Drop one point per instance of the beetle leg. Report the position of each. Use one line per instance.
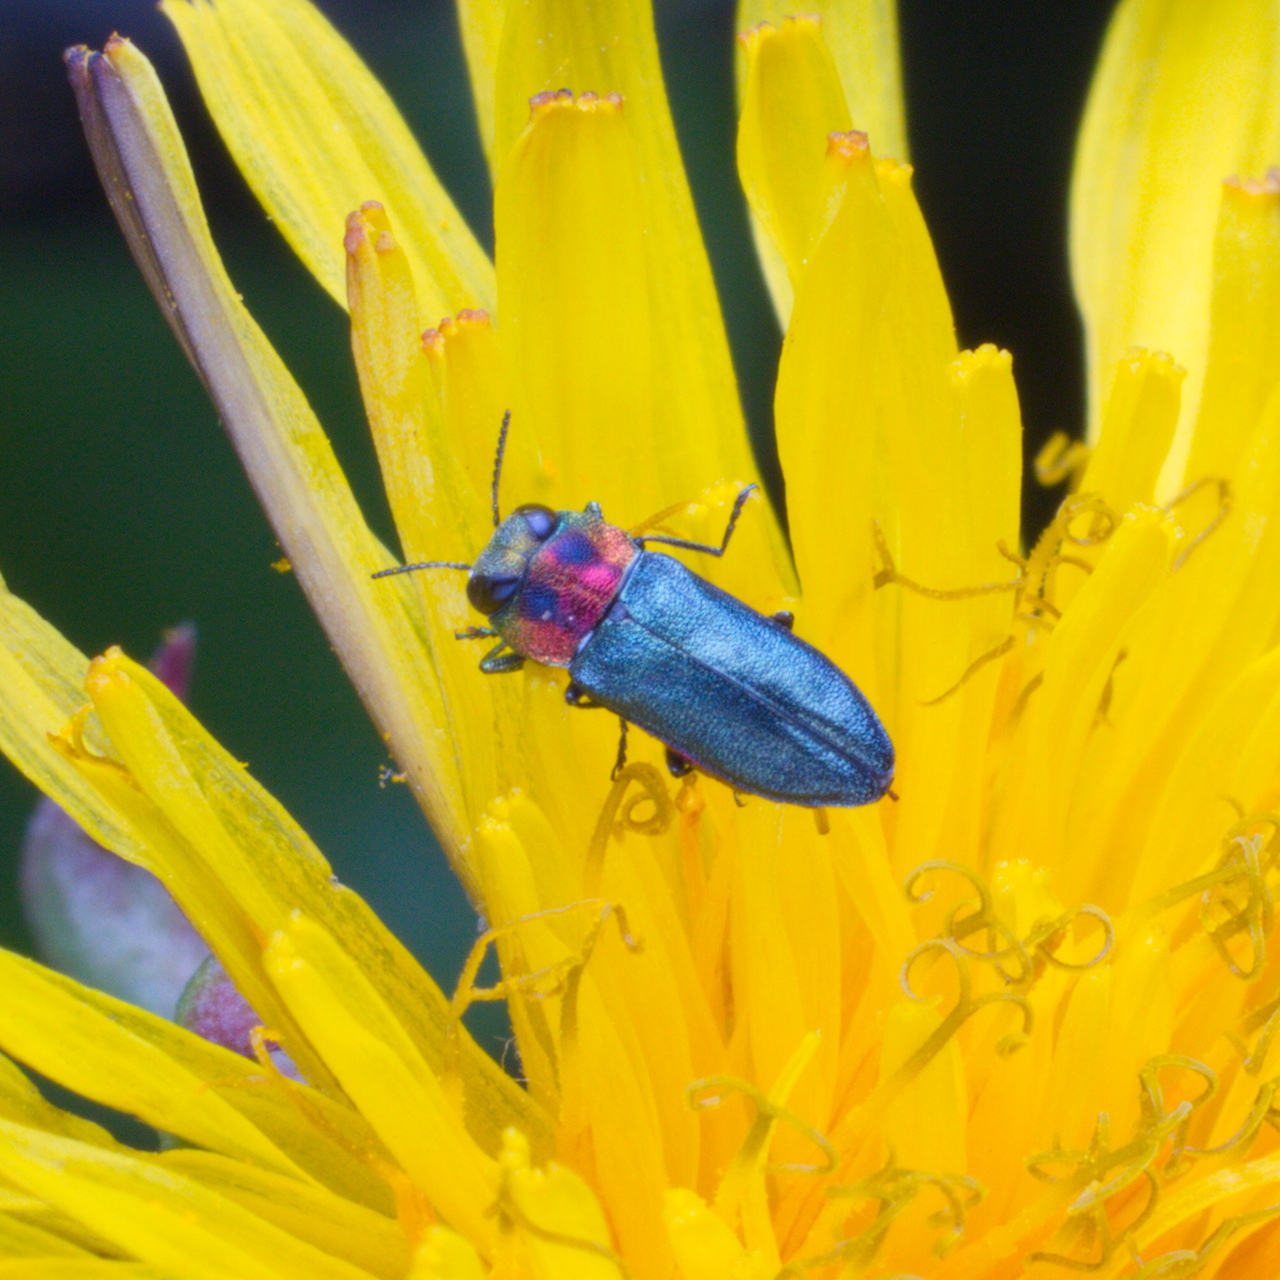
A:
(576, 696)
(738, 800)
(474, 633)
(785, 619)
(620, 763)
(496, 663)
(738, 504)
(678, 766)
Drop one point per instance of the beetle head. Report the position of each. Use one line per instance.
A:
(500, 567)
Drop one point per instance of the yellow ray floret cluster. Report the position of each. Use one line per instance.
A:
(1021, 1021)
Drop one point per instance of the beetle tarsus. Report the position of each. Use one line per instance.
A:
(785, 619)
(474, 633)
(621, 762)
(678, 766)
(738, 800)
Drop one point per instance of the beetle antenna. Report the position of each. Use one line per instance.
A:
(497, 465)
(423, 564)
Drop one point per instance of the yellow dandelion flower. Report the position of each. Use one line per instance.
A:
(1021, 1021)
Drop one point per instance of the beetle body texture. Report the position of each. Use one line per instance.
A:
(726, 688)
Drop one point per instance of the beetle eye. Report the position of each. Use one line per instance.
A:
(488, 593)
(541, 520)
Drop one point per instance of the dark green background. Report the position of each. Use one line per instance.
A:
(123, 509)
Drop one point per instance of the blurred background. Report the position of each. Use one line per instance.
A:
(124, 510)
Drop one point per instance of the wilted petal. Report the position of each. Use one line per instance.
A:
(375, 627)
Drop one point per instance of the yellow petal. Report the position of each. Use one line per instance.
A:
(439, 513)
(22, 1102)
(316, 136)
(1184, 97)
(549, 45)
(445, 1255)
(470, 375)
(128, 1059)
(824, 407)
(1234, 752)
(1244, 326)
(335, 1225)
(368, 1049)
(924, 1124)
(19, 1239)
(481, 23)
(579, 322)
(557, 1228)
(77, 1269)
(1212, 618)
(1193, 1201)
(41, 687)
(863, 38)
(705, 1247)
(792, 101)
(375, 627)
(1137, 428)
(158, 1216)
(596, 308)
(1059, 719)
(167, 1076)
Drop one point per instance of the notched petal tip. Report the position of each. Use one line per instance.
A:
(356, 237)
(751, 38)
(970, 363)
(1267, 186)
(1140, 359)
(894, 172)
(542, 104)
(434, 340)
(852, 144)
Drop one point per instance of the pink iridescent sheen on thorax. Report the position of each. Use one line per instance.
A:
(568, 587)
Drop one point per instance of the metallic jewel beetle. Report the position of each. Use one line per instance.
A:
(729, 691)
